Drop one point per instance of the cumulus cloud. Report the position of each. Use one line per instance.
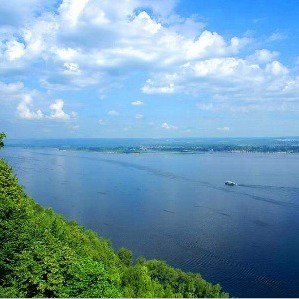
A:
(230, 77)
(130, 40)
(137, 103)
(14, 50)
(100, 43)
(16, 91)
(58, 113)
(263, 56)
(16, 13)
(24, 109)
(12, 90)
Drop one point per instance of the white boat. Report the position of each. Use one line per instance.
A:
(230, 183)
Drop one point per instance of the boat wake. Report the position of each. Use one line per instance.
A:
(264, 187)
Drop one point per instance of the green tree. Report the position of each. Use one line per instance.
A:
(125, 256)
(88, 278)
(137, 282)
(2, 137)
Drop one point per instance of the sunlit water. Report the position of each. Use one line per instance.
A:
(176, 207)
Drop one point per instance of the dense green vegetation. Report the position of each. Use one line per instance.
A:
(43, 255)
(2, 136)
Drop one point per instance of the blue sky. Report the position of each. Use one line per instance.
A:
(140, 68)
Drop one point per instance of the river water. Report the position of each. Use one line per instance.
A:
(176, 207)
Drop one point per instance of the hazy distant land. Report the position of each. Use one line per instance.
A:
(176, 145)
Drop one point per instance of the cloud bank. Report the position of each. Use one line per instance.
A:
(81, 44)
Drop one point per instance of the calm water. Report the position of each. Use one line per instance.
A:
(175, 207)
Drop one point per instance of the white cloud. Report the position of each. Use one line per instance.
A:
(232, 78)
(16, 13)
(137, 103)
(16, 91)
(167, 126)
(67, 54)
(113, 113)
(224, 129)
(10, 91)
(14, 50)
(263, 56)
(212, 44)
(138, 116)
(129, 41)
(24, 111)
(72, 67)
(91, 43)
(71, 10)
(58, 113)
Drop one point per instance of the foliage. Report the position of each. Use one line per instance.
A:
(43, 255)
(2, 137)
(125, 256)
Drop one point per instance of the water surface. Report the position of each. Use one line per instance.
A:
(175, 207)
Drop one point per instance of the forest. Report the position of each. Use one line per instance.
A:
(44, 255)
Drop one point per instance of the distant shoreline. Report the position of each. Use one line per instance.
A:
(171, 145)
(162, 151)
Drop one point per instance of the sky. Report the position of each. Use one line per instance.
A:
(149, 68)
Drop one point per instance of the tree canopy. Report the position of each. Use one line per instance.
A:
(44, 255)
(2, 137)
